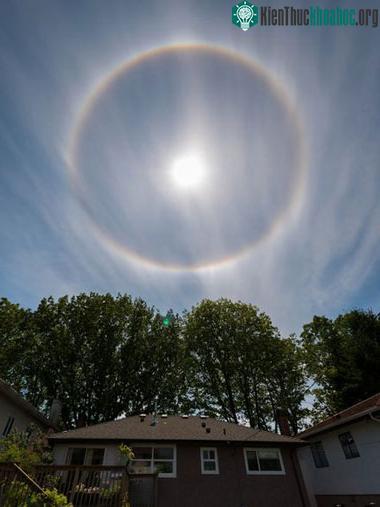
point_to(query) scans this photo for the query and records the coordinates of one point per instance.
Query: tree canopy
(104, 356)
(240, 366)
(343, 359)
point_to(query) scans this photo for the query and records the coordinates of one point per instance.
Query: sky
(156, 149)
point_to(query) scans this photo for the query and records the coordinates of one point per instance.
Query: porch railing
(84, 485)
(17, 487)
(95, 485)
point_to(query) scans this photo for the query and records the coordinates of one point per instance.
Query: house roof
(24, 405)
(174, 428)
(353, 413)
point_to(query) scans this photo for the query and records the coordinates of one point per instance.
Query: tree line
(104, 356)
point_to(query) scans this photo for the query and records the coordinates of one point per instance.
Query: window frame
(347, 446)
(263, 472)
(152, 446)
(317, 453)
(86, 455)
(215, 460)
(8, 426)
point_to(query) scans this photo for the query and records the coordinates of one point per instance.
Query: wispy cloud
(51, 57)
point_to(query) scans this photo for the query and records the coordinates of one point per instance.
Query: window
(83, 456)
(95, 456)
(319, 455)
(348, 445)
(209, 460)
(76, 456)
(8, 426)
(263, 461)
(158, 458)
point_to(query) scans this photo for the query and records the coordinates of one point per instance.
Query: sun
(188, 171)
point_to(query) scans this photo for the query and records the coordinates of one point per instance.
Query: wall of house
(345, 477)
(232, 487)
(10, 409)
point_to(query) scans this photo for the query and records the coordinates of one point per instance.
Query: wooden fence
(16, 486)
(95, 485)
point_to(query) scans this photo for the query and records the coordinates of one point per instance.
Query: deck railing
(95, 485)
(17, 487)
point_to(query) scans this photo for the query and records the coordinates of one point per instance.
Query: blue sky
(58, 233)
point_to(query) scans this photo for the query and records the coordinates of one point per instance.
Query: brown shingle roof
(352, 413)
(173, 428)
(24, 405)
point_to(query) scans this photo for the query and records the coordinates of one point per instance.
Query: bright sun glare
(188, 171)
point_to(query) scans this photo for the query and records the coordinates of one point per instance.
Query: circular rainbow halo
(189, 173)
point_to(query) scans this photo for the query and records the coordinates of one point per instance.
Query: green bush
(19, 493)
(24, 448)
(52, 498)
(14, 493)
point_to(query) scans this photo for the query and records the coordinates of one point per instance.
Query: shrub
(55, 499)
(18, 493)
(24, 448)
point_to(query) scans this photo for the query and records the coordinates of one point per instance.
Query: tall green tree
(240, 366)
(343, 359)
(101, 356)
(15, 335)
(152, 362)
(76, 355)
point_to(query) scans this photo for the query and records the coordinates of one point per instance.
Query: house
(342, 464)
(17, 414)
(200, 461)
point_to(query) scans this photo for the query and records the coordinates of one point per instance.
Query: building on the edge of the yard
(17, 414)
(342, 464)
(202, 462)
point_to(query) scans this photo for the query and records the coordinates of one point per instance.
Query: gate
(143, 490)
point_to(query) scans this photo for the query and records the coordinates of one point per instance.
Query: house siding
(347, 481)
(22, 419)
(232, 487)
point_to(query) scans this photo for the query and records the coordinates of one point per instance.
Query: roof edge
(272, 443)
(337, 423)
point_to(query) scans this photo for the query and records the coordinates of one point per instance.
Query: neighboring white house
(17, 414)
(341, 467)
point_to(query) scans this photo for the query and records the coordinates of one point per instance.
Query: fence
(95, 485)
(16, 487)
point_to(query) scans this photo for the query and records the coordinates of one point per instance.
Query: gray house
(16, 414)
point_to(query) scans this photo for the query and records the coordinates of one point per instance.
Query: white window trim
(264, 472)
(161, 475)
(210, 472)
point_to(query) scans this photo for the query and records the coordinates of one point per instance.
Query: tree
(101, 356)
(75, 355)
(239, 365)
(343, 359)
(14, 340)
(152, 362)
